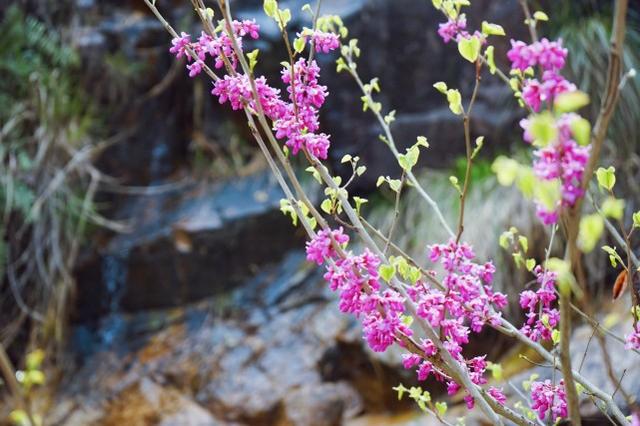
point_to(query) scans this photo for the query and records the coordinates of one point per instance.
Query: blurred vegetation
(585, 27)
(47, 182)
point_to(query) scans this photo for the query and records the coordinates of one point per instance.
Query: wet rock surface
(262, 356)
(188, 243)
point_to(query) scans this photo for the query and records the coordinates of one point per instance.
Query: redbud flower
(545, 396)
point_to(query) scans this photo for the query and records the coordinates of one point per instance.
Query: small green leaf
(441, 87)
(359, 202)
(555, 336)
(380, 181)
(543, 129)
(455, 101)
(253, 58)
(401, 390)
(566, 280)
(394, 184)
(327, 206)
(391, 117)
(570, 101)
(422, 141)
(636, 219)
(540, 16)
(488, 53)
(360, 170)
(591, 229)
(613, 208)
(548, 193)
(492, 29)
(479, 144)
(299, 44)
(606, 177)
(496, 370)
(441, 408)
(506, 170)
(581, 129)
(387, 272)
(530, 264)
(270, 8)
(469, 48)
(524, 243)
(614, 257)
(346, 158)
(410, 159)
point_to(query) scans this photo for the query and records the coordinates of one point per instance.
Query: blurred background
(142, 247)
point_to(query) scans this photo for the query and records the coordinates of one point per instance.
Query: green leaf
(387, 272)
(614, 257)
(496, 370)
(253, 58)
(34, 359)
(548, 193)
(391, 117)
(543, 129)
(530, 264)
(566, 280)
(606, 177)
(270, 8)
(591, 229)
(570, 101)
(613, 208)
(359, 202)
(492, 29)
(524, 243)
(540, 16)
(346, 158)
(555, 336)
(455, 101)
(299, 44)
(581, 129)
(380, 181)
(636, 219)
(327, 206)
(401, 390)
(437, 3)
(489, 54)
(360, 170)
(410, 159)
(441, 408)
(455, 183)
(284, 17)
(469, 48)
(506, 170)
(441, 87)
(422, 141)
(394, 184)
(479, 144)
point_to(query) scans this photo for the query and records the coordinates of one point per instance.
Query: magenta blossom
(545, 396)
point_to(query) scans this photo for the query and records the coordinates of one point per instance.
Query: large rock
(186, 244)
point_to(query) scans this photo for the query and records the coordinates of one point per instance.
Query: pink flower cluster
(632, 340)
(455, 29)
(323, 41)
(299, 122)
(356, 279)
(217, 47)
(550, 56)
(467, 303)
(546, 396)
(562, 159)
(295, 121)
(541, 317)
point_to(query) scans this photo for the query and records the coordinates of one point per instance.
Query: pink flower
(452, 28)
(320, 248)
(632, 340)
(549, 55)
(179, 45)
(324, 41)
(546, 396)
(541, 317)
(195, 68)
(498, 395)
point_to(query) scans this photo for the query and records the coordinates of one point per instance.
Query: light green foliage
(455, 101)
(543, 129)
(606, 177)
(387, 272)
(540, 16)
(614, 257)
(469, 48)
(496, 370)
(566, 281)
(394, 184)
(570, 101)
(489, 55)
(253, 58)
(492, 29)
(636, 219)
(581, 129)
(591, 229)
(613, 208)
